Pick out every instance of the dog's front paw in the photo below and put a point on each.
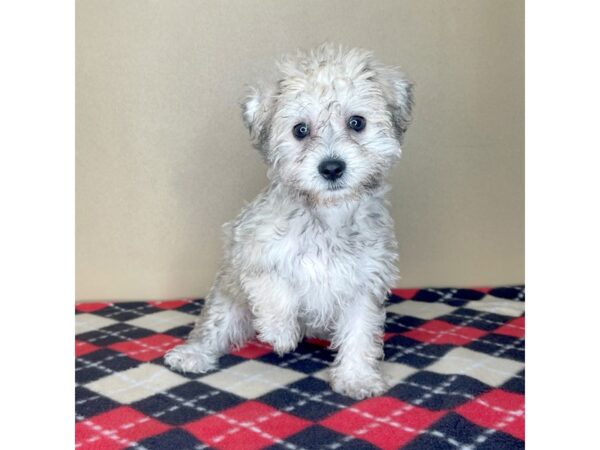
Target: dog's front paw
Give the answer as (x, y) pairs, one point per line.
(281, 342)
(357, 384)
(283, 337)
(189, 358)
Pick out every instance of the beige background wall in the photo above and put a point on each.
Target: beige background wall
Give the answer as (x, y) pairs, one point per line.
(163, 158)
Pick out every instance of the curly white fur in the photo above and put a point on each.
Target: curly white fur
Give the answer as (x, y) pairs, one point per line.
(309, 257)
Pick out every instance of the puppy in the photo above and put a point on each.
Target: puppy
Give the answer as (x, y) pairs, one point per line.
(314, 254)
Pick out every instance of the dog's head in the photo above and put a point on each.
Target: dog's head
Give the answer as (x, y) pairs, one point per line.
(332, 126)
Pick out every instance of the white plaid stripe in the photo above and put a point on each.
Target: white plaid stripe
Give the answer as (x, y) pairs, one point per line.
(97, 365)
(503, 347)
(394, 319)
(253, 426)
(403, 351)
(111, 433)
(119, 309)
(507, 347)
(89, 399)
(480, 318)
(444, 296)
(139, 310)
(468, 319)
(451, 294)
(303, 357)
(253, 375)
(408, 407)
(149, 305)
(163, 320)
(149, 377)
(105, 332)
(510, 417)
(163, 347)
(438, 390)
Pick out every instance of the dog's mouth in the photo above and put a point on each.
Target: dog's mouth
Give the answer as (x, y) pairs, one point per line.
(333, 187)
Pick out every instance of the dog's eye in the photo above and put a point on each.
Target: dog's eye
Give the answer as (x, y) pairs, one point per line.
(357, 123)
(300, 130)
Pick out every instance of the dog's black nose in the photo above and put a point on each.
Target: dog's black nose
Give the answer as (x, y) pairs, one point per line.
(332, 169)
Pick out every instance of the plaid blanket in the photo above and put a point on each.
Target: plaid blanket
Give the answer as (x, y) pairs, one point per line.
(454, 358)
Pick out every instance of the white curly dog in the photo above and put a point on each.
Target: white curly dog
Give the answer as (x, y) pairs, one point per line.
(314, 254)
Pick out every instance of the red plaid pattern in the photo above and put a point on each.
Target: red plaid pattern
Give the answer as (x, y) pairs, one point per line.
(252, 350)
(444, 333)
(147, 348)
(454, 359)
(497, 410)
(82, 348)
(90, 307)
(249, 426)
(386, 422)
(514, 328)
(119, 428)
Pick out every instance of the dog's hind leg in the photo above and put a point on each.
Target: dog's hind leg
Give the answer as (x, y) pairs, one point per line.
(223, 324)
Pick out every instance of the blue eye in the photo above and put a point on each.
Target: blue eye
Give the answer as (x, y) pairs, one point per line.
(357, 123)
(301, 131)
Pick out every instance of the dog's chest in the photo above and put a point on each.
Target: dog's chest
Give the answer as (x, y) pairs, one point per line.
(320, 258)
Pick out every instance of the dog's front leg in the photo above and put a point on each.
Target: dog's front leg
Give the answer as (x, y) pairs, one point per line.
(358, 336)
(223, 323)
(275, 309)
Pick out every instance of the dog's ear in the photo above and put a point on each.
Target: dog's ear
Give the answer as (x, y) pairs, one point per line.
(399, 94)
(257, 111)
